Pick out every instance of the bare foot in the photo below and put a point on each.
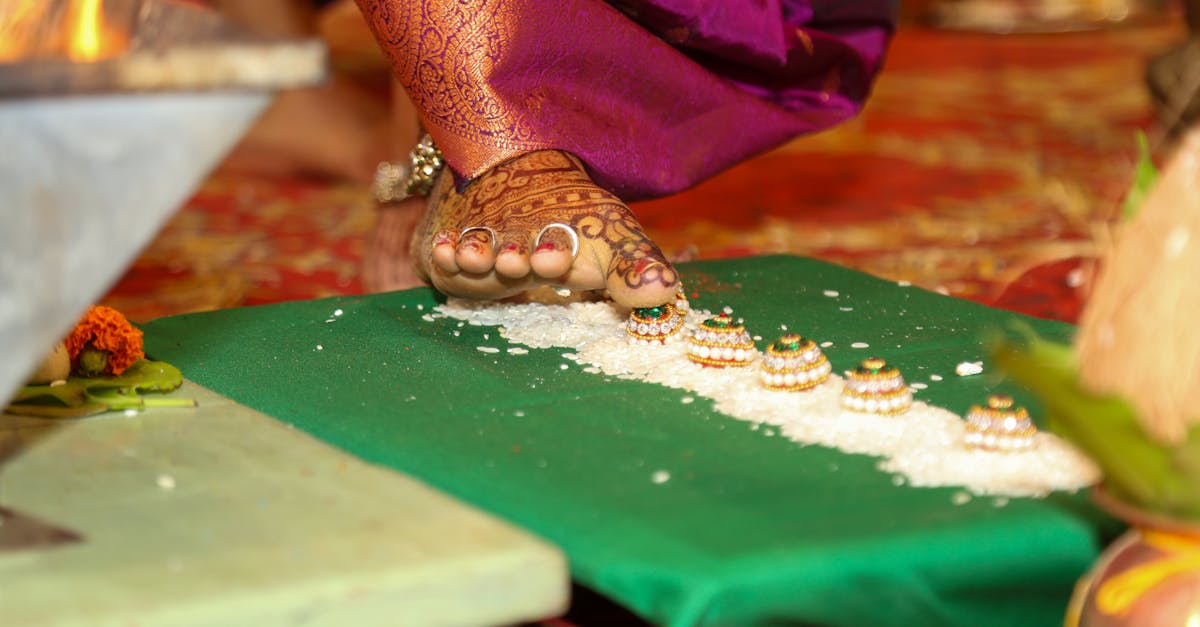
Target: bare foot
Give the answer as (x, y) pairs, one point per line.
(538, 220)
(386, 264)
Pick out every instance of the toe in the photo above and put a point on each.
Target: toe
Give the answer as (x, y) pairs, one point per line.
(512, 260)
(474, 253)
(444, 251)
(552, 255)
(640, 276)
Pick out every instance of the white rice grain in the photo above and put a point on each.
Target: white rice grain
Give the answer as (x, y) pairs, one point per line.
(922, 446)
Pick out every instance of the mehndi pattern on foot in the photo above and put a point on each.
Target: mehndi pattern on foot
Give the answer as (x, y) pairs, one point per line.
(1000, 426)
(567, 229)
(874, 387)
(538, 220)
(720, 342)
(794, 364)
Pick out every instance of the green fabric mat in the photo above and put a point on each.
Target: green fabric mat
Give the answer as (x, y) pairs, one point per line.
(750, 529)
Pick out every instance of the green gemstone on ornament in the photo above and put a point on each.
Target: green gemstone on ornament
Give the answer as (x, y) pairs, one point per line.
(788, 346)
(653, 313)
(720, 322)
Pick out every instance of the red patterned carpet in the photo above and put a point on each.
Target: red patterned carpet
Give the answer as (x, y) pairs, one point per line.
(980, 168)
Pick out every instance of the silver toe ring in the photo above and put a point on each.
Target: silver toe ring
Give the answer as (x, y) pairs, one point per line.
(478, 228)
(570, 233)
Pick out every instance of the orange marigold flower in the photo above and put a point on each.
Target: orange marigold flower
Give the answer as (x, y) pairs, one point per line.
(106, 329)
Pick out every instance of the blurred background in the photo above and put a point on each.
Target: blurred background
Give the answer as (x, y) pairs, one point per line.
(1001, 136)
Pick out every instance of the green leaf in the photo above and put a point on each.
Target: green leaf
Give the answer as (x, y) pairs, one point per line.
(1144, 177)
(84, 396)
(117, 398)
(72, 393)
(1137, 469)
(143, 376)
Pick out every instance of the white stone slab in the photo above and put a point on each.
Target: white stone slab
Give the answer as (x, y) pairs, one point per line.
(85, 183)
(223, 516)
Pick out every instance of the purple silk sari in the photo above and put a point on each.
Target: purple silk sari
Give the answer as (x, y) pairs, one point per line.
(653, 95)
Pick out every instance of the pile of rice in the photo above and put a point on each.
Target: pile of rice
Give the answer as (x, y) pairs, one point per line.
(922, 447)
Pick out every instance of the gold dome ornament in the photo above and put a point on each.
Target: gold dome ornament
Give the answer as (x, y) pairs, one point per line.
(653, 325)
(1001, 426)
(876, 388)
(720, 342)
(794, 363)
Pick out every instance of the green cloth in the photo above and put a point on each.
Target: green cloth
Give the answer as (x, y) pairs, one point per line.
(749, 529)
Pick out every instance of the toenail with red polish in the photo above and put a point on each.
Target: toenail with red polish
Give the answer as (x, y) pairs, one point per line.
(508, 248)
(545, 246)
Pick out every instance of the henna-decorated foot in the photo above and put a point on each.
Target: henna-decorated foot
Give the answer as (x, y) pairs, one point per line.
(538, 220)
